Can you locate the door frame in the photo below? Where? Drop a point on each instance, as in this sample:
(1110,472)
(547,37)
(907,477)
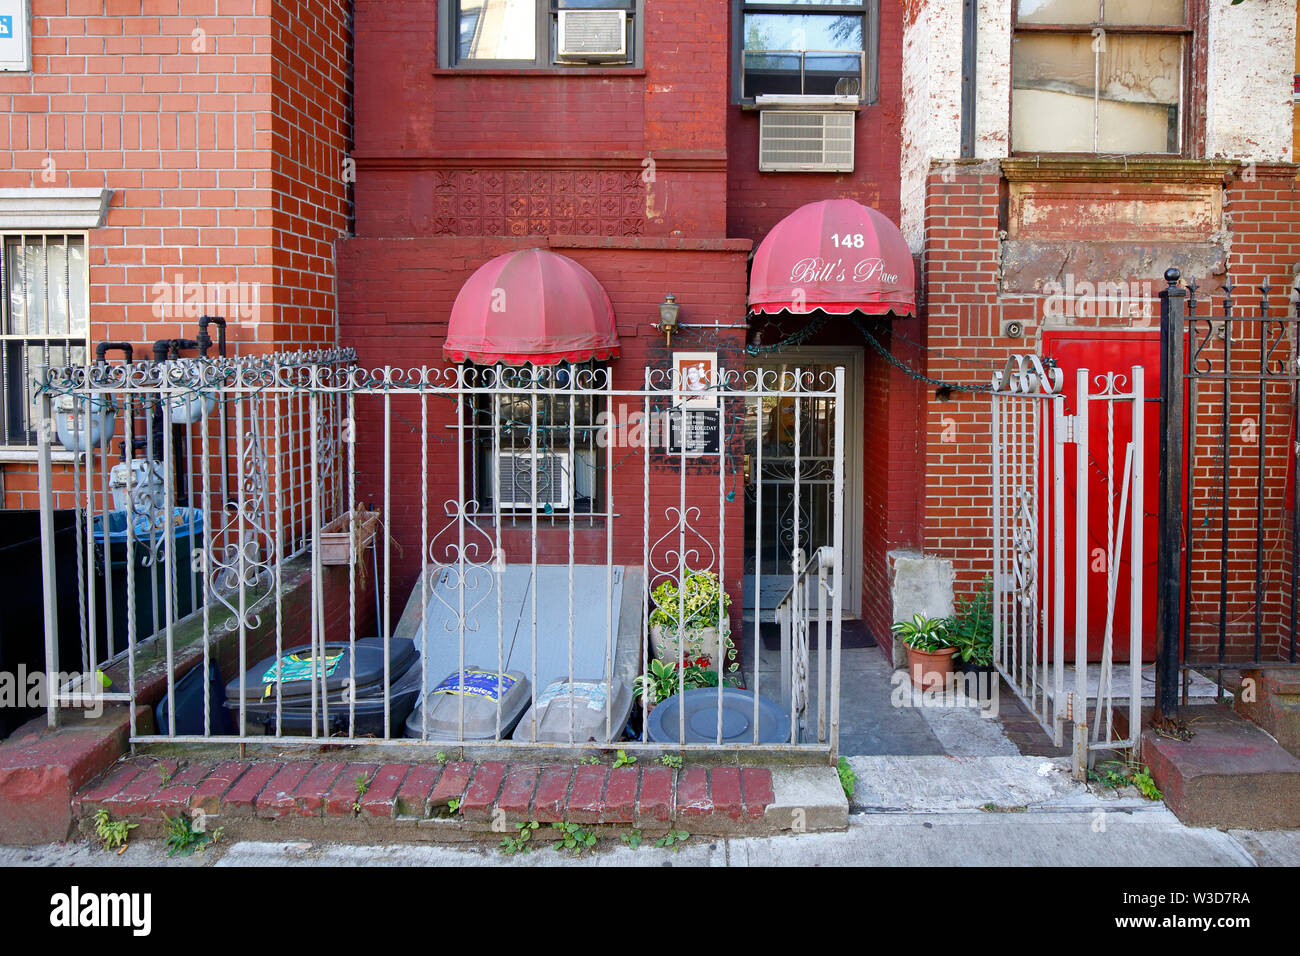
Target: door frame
(852,357)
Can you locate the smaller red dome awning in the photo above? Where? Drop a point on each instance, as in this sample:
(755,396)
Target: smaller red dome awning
(836,255)
(531,306)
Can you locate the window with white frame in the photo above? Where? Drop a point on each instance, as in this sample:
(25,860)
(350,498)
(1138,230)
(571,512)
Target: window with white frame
(1099,76)
(813,48)
(44,320)
(538,34)
(523,429)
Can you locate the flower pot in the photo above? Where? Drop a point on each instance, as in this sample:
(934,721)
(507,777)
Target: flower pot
(699,641)
(930,669)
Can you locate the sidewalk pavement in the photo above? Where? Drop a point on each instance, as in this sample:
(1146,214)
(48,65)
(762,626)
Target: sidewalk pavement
(906,811)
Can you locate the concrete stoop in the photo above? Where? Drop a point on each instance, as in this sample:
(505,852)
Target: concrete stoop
(41,769)
(1230,774)
(459,801)
(1275,706)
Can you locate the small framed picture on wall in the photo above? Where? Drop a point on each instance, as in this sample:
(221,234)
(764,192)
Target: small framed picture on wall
(696,373)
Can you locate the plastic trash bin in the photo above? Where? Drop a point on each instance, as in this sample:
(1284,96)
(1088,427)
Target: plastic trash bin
(189,704)
(479,689)
(295,688)
(150,575)
(587,700)
(701,706)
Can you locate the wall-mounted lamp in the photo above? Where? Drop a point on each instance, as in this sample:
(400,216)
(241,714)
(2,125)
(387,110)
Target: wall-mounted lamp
(668,310)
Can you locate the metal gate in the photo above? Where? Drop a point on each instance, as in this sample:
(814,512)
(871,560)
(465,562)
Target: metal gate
(1045,552)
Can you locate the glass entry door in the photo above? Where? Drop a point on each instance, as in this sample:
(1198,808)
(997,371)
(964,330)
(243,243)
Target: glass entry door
(775,504)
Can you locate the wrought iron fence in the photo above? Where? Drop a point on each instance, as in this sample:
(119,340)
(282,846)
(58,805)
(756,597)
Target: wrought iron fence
(552,546)
(1230,506)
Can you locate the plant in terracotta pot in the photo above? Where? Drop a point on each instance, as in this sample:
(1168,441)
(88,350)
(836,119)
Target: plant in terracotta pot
(704,609)
(929,650)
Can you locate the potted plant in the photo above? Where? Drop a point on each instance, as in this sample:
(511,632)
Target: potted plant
(971,629)
(661,681)
(929,649)
(703,616)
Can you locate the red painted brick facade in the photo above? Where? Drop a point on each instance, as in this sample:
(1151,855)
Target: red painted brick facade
(221,129)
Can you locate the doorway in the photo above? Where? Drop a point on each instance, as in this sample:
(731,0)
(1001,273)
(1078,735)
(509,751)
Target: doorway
(773,509)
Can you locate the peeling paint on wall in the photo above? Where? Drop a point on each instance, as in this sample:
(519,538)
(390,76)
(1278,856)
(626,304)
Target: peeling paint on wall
(1249,70)
(931,101)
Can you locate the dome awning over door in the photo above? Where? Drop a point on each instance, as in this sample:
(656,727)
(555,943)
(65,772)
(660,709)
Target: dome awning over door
(838,256)
(531,306)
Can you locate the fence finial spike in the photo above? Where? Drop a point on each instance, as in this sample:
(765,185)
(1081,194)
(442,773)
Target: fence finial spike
(1172,275)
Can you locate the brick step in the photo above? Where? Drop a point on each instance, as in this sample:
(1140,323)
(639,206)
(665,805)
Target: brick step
(1230,774)
(260,799)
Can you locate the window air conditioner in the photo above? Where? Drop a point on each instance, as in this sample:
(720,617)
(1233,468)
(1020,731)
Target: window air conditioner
(805,141)
(593,35)
(552,486)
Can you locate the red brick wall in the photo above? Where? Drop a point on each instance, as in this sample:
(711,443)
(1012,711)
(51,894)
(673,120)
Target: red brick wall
(964,315)
(169,103)
(552,152)
(310,136)
(758,201)
(396,296)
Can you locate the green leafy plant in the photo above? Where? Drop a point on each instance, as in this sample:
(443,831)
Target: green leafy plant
(623,760)
(165,773)
(181,839)
(673,840)
(925,634)
(362,785)
(632,838)
(112,834)
(661,681)
(672,760)
(1146,785)
(1117,774)
(453,805)
(589,761)
(848,779)
(441,757)
(573,839)
(520,842)
(697,598)
(970,629)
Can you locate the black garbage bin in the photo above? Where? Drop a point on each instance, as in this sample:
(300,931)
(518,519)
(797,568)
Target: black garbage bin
(22,623)
(149,580)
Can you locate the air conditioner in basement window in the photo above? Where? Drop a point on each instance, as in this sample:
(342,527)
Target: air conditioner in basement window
(592,35)
(552,486)
(805,141)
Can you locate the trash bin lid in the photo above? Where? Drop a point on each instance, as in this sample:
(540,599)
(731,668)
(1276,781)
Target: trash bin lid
(297,666)
(701,706)
(182,520)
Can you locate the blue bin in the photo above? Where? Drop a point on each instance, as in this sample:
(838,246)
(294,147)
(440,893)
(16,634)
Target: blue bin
(150,575)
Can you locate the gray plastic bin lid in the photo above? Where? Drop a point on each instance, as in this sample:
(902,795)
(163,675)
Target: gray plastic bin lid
(701,706)
(587,700)
(479,688)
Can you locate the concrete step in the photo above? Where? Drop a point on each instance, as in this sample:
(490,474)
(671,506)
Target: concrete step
(1230,773)
(1200,689)
(944,784)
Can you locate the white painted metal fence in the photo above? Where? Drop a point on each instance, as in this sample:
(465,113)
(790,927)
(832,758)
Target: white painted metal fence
(543,516)
(1042,653)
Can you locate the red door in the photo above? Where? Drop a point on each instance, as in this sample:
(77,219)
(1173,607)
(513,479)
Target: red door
(1101,351)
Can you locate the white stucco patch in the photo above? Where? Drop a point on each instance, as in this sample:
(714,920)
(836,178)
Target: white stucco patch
(931,101)
(1249,69)
(993,79)
(932,86)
